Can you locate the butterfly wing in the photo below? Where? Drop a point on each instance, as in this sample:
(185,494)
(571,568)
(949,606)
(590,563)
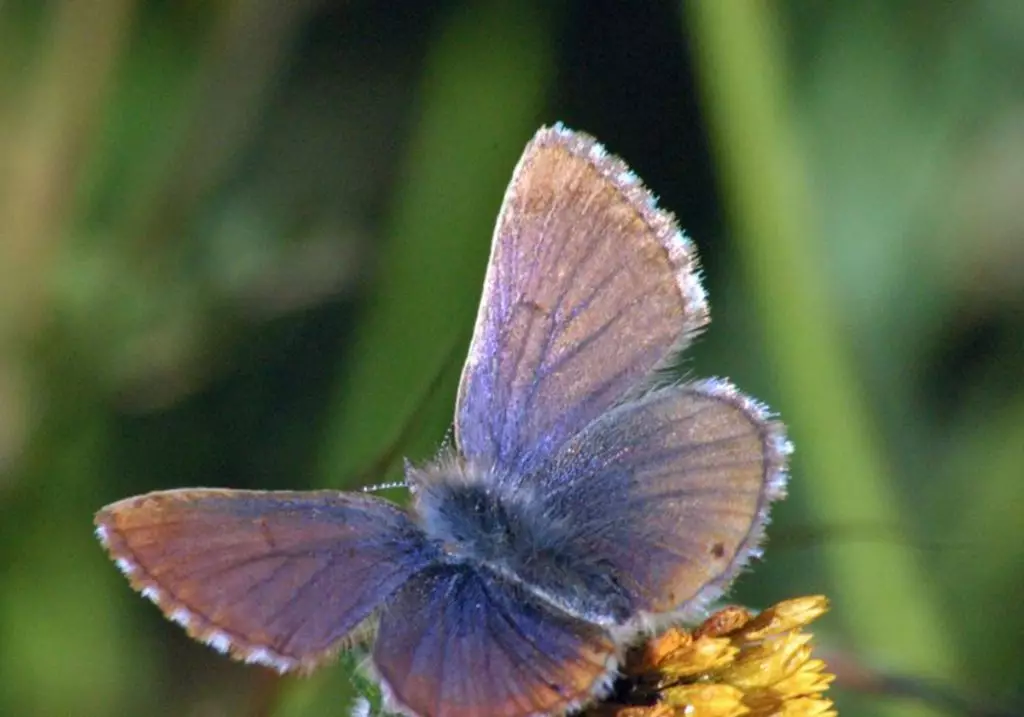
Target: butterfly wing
(670,493)
(276,578)
(589,287)
(457,642)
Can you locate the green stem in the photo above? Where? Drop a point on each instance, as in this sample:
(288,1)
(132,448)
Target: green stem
(483,90)
(881,596)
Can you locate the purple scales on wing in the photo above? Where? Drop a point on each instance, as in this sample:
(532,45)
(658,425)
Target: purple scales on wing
(461,642)
(684,477)
(590,287)
(277,578)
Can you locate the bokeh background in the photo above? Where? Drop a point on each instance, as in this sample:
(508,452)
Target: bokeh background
(242,242)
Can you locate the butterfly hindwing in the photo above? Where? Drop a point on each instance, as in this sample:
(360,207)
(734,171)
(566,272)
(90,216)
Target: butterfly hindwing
(670,491)
(457,641)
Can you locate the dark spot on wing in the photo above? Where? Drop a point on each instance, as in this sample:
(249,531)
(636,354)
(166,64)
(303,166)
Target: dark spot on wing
(535,306)
(268,537)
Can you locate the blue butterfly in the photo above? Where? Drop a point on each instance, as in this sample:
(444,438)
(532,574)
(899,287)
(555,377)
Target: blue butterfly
(588,499)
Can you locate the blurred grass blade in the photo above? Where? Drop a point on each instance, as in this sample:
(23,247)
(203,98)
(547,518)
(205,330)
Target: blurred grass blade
(431,268)
(888,603)
(470,133)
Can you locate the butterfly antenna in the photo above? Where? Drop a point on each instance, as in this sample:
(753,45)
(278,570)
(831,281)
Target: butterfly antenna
(393,451)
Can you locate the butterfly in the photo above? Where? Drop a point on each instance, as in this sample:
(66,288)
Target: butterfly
(588,499)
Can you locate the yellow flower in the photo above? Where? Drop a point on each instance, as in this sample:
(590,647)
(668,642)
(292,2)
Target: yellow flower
(735,664)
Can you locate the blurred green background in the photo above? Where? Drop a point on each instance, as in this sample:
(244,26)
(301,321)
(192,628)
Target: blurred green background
(242,242)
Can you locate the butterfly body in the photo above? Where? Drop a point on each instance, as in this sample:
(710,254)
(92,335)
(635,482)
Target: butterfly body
(501,526)
(586,499)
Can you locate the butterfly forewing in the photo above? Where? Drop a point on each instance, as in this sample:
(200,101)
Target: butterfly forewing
(588,289)
(279,578)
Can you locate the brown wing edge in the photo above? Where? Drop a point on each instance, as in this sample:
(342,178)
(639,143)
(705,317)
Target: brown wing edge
(602,686)
(776,450)
(196,624)
(597,668)
(682,252)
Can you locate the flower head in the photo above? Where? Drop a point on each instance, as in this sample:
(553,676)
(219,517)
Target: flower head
(735,664)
